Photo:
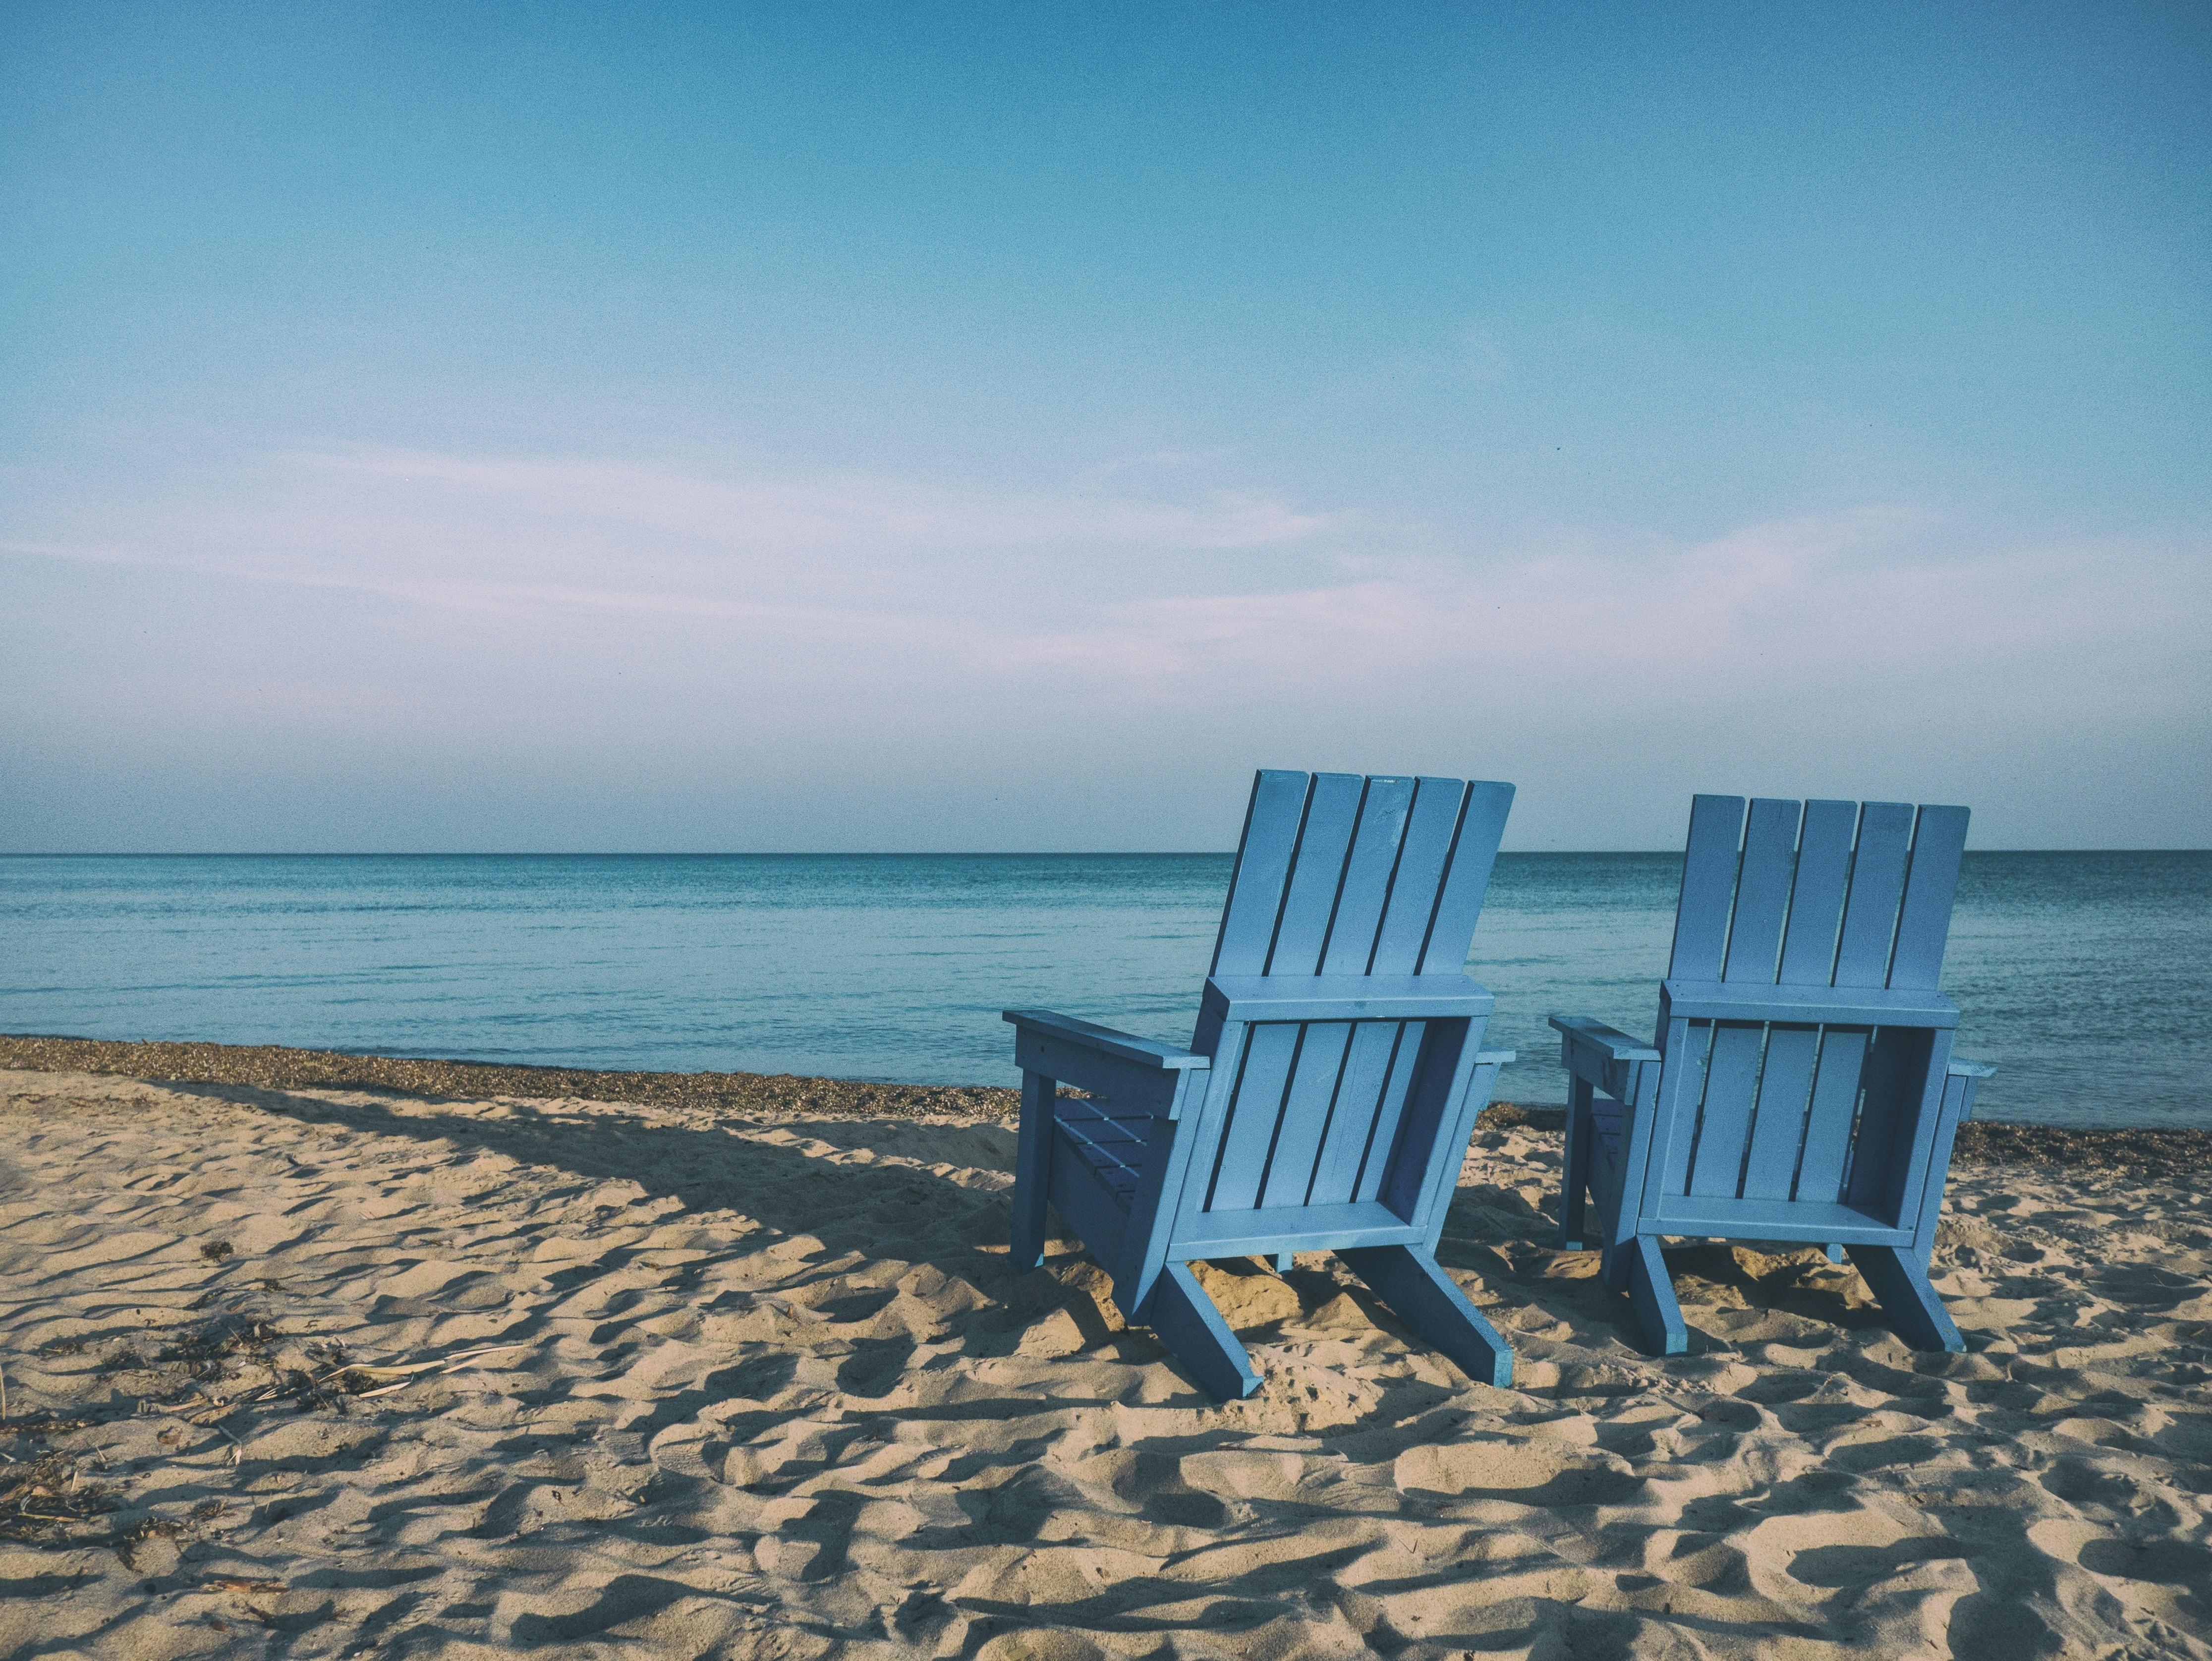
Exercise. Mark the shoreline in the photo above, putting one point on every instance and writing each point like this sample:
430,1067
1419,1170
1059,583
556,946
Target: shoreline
279,1066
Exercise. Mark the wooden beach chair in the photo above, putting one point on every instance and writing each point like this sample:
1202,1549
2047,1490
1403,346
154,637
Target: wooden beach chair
1326,1100
1801,1085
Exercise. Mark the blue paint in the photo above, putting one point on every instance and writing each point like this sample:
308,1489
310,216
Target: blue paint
895,966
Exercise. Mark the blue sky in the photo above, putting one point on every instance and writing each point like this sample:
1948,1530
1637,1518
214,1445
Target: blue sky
544,426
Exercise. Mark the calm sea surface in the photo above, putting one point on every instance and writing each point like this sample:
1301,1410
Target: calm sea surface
2083,977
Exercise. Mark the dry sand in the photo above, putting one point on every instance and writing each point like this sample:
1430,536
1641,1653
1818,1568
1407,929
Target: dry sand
767,1387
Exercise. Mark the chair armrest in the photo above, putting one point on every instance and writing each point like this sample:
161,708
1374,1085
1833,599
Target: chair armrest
1104,1040
1116,1067
1494,1057
1961,1068
1610,1041
1599,1055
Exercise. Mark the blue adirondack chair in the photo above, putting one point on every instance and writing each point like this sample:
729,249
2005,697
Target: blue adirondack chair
1327,1098
1801,1085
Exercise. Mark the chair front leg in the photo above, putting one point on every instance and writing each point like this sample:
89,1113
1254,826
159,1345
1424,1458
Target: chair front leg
1032,1169
1574,1169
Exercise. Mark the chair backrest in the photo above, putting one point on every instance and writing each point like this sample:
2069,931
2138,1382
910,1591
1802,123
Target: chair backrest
1844,909
1338,874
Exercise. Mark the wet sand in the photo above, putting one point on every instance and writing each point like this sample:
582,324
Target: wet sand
308,1355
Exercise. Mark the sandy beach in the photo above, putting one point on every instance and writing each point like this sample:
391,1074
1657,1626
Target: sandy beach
319,1356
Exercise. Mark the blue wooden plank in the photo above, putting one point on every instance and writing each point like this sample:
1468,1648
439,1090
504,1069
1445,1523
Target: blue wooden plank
1305,1115
1253,1110
1709,866
1351,997
1922,1062
1829,1119
1877,882
1771,1219
1431,826
1297,1227
1093,1211
1724,1118
1467,878
1445,1056
1471,1094
1762,892
1367,1066
1846,1006
1893,1080
1317,873
1682,1090
1383,1133
1816,899
1367,877
1957,1105
1778,1130
1924,922
1263,866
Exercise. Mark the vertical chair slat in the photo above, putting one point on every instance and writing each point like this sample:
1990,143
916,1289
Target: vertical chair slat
1923,924
1709,867
1731,1081
1263,866
1367,873
1685,1084
1816,899
1317,873
1893,1059
1431,824
1828,1118
1305,1110
1459,903
1778,1130
1877,880
1367,1064
1762,894
1389,1110
1253,1113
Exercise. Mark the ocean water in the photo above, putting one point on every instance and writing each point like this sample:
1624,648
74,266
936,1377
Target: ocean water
2082,977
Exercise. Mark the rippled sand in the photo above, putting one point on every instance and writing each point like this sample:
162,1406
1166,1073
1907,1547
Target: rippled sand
770,1389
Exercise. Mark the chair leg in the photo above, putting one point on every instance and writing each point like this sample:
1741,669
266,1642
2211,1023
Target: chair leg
1281,1261
1422,1296
1574,1168
1032,1169
1835,1254
1900,1285
1652,1289
1191,1328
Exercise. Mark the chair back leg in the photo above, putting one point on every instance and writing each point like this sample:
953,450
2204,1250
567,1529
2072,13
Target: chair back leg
1651,1291
1425,1298
1900,1285
1192,1330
